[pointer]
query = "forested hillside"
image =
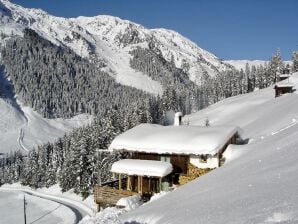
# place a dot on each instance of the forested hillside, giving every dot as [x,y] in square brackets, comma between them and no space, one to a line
[58,83]
[74,161]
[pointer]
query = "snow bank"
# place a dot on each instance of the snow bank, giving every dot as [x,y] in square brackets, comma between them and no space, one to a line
[107,216]
[142,167]
[158,195]
[152,138]
[233,152]
[130,203]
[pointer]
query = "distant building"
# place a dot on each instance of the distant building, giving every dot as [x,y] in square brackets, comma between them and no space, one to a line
[283,88]
[282,77]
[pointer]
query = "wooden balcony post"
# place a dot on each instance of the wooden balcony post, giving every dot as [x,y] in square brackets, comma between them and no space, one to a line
[129,185]
[160,184]
[141,185]
[120,181]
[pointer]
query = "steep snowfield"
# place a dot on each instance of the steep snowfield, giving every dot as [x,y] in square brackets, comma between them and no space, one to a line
[259,186]
[25,129]
[107,40]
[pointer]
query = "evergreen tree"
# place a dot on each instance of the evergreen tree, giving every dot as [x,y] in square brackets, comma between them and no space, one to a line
[295,61]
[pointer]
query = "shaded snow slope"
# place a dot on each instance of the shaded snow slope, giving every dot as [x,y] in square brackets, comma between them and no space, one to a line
[25,129]
[107,41]
[259,186]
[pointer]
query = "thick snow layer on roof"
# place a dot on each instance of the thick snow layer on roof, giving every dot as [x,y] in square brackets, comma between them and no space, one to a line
[139,167]
[284,75]
[152,138]
[285,84]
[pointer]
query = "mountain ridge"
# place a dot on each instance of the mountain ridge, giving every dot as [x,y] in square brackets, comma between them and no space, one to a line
[107,40]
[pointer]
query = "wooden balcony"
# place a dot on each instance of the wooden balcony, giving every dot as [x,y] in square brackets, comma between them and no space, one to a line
[109,196]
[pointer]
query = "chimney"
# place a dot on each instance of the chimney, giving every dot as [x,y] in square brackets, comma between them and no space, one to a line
[178,119]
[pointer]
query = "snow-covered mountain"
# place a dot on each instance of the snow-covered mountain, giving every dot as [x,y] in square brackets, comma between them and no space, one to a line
[108,41]
[257,184]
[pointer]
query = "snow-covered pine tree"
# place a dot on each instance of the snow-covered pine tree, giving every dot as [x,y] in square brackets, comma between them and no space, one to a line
[295,61]
[276,65]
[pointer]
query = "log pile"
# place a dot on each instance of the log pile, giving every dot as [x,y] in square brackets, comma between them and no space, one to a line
[193,172]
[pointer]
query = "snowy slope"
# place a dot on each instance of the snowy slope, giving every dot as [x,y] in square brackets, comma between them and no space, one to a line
[26,128]
[259,186]
[258,113]
[107,41]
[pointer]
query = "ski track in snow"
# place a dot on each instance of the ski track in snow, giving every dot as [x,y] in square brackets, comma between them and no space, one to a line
[262,137]
[21,135]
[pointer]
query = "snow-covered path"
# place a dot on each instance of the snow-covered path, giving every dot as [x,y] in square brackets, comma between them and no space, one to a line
[79,214]
[39,210]
[21,136]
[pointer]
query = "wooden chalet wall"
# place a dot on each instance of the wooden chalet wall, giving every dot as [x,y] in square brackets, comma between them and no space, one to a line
[282,90]
[179,162]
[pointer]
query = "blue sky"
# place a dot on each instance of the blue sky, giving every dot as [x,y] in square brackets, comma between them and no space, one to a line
[231,29]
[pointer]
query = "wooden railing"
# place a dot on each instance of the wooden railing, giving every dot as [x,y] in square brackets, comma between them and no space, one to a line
[115,183]
[106,195]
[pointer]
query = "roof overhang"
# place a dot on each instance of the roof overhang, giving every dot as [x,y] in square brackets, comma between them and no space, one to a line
[137,167]
[180,140]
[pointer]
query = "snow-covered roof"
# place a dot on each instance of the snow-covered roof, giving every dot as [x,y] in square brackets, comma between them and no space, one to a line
[153,138]
[284,75]
[284,84]
[139,167]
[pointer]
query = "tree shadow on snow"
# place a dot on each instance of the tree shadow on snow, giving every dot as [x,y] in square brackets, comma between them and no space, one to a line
[7,91]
